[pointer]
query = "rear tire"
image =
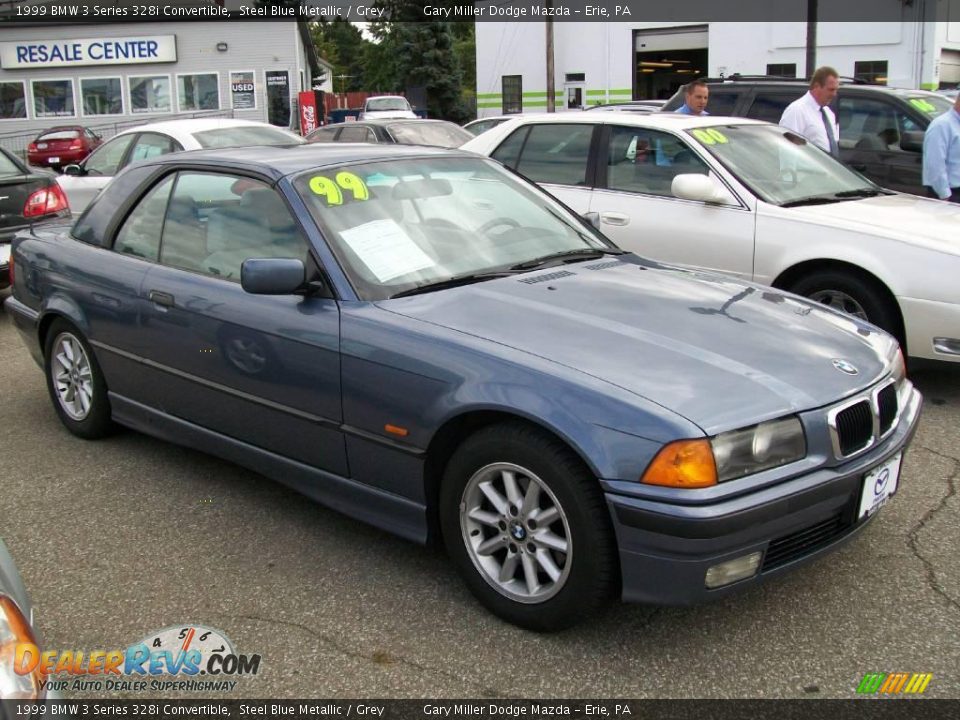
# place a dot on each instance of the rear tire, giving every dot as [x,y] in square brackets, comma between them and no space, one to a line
[75,382]
[854,295]
[527,527]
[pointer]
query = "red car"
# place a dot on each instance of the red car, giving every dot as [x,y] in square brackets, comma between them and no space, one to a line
[62,145]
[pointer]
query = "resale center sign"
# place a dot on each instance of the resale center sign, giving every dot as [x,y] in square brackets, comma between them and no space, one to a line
[27,54]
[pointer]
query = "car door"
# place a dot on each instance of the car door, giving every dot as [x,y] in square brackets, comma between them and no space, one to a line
[95,172]
[263,370]
[638,211]
[556,156]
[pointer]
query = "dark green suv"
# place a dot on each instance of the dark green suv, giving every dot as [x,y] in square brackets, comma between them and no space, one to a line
[881,128]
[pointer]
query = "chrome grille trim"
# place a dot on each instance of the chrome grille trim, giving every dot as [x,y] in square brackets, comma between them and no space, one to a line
[872,398]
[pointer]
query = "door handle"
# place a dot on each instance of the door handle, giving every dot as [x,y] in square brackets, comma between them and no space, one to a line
[858,166]
[160,298]
[612,218]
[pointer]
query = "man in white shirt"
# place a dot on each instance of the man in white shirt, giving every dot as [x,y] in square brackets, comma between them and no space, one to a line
[809,115]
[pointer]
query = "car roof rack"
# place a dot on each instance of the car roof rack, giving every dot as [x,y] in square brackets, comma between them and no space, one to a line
[735,77]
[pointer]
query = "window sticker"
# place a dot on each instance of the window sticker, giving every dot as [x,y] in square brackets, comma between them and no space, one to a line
[710,136]
[923,105]
[333,191]
[386,249]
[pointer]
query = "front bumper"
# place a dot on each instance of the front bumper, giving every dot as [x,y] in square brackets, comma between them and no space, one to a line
[666,549]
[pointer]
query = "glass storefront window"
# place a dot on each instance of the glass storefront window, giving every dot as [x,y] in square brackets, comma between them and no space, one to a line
[13,103]
[53,98]
[150,94]
[198,92]
[101,96]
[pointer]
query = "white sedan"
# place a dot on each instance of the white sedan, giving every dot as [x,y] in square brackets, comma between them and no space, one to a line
[753,200]
[82,182]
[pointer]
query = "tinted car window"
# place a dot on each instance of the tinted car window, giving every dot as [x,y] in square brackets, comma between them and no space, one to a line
[150,145]
[246,137]
[439,134]
[205,233]
[769,106]
[140,233]
[509,150]
[93,225]
[871,124]
[58,135]
[556,154]
[8,166]
[646,161]
[356,134]
[106,159]
[722,102]
[323,135]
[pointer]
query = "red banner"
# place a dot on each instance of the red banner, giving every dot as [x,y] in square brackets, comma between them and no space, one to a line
[309,120]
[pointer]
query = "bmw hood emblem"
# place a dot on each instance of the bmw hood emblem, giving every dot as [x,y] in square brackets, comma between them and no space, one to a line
[845,367]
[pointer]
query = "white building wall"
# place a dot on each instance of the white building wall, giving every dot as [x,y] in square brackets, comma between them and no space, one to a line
[604,53]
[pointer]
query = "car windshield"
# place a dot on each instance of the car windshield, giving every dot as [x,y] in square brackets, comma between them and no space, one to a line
[403,226]
[780,167]
[429,133]
[246,136]
[930,104]
[387,103]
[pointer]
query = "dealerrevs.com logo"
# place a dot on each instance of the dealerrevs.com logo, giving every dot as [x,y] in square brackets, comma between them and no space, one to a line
[179,657]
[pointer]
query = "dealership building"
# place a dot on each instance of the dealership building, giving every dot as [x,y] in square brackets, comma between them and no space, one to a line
[108,76]
[609,62]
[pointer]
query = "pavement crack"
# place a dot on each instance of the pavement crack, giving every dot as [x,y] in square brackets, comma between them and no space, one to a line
[913,535]
[401,660]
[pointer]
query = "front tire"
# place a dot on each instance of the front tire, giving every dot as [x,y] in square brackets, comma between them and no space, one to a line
[75,382]
[854,295]
[527,528]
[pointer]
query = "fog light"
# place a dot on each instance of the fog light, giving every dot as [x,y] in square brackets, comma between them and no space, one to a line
[733,570]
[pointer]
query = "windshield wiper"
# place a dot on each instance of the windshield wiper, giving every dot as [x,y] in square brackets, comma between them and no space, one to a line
[861,193]
[567,256]
[450,282]
[813,200]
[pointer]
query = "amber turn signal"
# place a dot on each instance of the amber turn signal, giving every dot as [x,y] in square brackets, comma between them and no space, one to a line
[683,464]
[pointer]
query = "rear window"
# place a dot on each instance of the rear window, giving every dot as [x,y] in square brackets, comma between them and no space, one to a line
[428,133]
[8,167]
[58,135]
[387,103]
[245,137]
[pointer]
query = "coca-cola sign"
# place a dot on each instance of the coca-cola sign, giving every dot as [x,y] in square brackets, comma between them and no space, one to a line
[308,112]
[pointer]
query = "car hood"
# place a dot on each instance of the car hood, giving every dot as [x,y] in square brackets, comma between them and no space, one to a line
[720,352]
[933,224]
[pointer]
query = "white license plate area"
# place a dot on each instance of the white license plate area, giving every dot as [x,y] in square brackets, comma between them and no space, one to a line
[879,485]
[4,254]
[53,160]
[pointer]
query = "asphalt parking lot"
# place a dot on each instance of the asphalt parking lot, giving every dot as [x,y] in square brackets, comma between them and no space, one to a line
[119,538]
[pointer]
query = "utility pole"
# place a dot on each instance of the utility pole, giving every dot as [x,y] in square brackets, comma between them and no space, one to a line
[811,37]
[551,94]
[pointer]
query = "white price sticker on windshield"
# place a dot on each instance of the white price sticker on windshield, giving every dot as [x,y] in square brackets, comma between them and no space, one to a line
[386,249]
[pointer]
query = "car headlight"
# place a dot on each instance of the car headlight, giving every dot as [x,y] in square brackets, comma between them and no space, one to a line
[14,630]
[704,462]
[761,447]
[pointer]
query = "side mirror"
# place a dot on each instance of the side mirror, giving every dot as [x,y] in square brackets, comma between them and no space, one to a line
[912,141]
[701,188]
[272,276]
[73,169]
[593,218]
